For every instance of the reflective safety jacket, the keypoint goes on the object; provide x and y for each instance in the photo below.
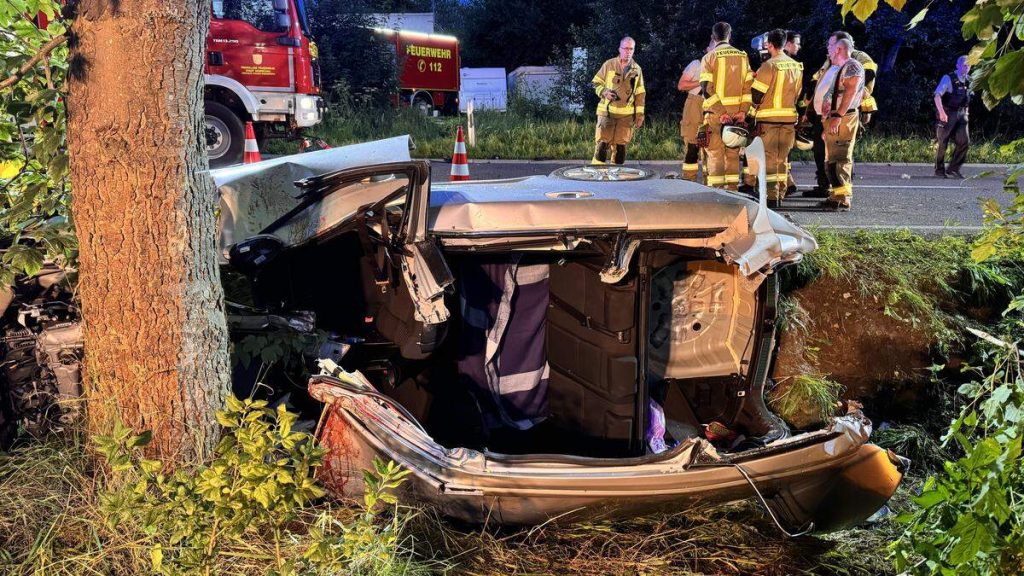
(779, 79)
(868, 104)
(727, 72)
(627, 83)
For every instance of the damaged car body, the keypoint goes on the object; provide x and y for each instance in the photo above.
(542, 348)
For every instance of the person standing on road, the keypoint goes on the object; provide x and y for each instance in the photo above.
(792, 48)
(952, 98)
(775, 90)
(693, 113)
(725, 80)
(620, 86)
(867, 111)
(837, 99)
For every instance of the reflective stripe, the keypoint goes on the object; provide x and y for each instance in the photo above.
(870, 66)
(594, 160)
(250, 146)
(625, 110)
(460, 147)
(777, 113)
(779, 81)
(720, 81)
(747, 99)
(716, 180)
(732, 178)
(844, 190)
(709, 102)
(639, 109)
(640, 90)
(775, 177)
(693, 166)
(748, 77)
(705, 77)
(759, 86)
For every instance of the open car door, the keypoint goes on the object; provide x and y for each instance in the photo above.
(386, 204)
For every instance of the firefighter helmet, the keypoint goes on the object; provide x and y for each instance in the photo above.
(735, 136)
(803, 141)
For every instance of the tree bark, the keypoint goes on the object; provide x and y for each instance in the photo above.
(152, 303)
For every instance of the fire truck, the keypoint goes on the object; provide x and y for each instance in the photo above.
(428, 70)
(261, 66)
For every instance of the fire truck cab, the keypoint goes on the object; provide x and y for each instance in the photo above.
(261, 66)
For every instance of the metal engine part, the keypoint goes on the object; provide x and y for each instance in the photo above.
(40, 361)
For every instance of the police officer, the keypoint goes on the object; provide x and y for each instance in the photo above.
(620, 86)
(725, 81)
(952, 97)
(774, 92)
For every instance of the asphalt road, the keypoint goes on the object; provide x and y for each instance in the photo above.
(885, 195)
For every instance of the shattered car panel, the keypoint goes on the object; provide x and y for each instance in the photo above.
(646, 301)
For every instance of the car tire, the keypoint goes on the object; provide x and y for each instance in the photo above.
(604, 173)
(225, 135)
(423, 105)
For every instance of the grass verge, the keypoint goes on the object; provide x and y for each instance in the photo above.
(541, 134)
(52, 524)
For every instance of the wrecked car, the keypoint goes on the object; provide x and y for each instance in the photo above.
(572, 346)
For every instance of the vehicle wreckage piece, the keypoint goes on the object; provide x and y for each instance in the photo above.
(824, 480)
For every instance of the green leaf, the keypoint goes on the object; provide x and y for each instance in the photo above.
(917, 19)
(972, 537)
(156, 557)
(1008, 76)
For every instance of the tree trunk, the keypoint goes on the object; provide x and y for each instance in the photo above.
(152, 304)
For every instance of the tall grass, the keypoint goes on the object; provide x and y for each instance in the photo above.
(530, 132)
(52, 525)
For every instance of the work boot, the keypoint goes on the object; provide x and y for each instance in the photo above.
(835, 205)
(817, 192)
(791, 190)
(954, 174)
(774, 204)
(940, 173)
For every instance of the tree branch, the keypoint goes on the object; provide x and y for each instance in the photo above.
(46, 49)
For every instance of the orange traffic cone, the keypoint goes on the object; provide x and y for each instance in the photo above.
(252, 152)
(460, 162)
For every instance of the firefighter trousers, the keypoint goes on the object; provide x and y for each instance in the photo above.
(839, 157)
(611, 137)
(778, 139)
(688, 126)
(723, 163)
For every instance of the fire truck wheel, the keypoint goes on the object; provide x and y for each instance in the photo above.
(225, 135)
(424, 105)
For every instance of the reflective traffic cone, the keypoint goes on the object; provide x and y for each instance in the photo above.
(460, 162)
(252, 152)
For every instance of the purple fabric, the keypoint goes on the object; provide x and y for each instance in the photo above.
(503, 356)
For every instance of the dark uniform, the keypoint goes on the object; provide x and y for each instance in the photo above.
(956, 96)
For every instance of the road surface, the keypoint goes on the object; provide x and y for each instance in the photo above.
(885, 195)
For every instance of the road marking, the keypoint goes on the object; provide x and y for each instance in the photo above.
(860, 186)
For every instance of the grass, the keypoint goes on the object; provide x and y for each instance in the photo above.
(532, 132)
(52, 525)
(805, 400)
(925, 282)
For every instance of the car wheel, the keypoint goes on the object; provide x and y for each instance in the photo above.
(604, 173)
(225, 135)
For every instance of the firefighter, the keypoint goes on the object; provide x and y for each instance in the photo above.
(774, 92)
(792, 48)
(868, 107)
(620, 86)
(693, 113)
(952, 98)
(725, 80)
(837, 98)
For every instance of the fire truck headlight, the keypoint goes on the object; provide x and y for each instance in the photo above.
(307, 103)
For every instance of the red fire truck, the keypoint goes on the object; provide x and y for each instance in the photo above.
(428, 70)
(260, 66)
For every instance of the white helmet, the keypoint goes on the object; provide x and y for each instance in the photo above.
(735, 137)
(804, 142)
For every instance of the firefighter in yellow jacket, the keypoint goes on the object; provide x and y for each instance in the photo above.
(774, 92)
(620, 86)
(725, 80)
